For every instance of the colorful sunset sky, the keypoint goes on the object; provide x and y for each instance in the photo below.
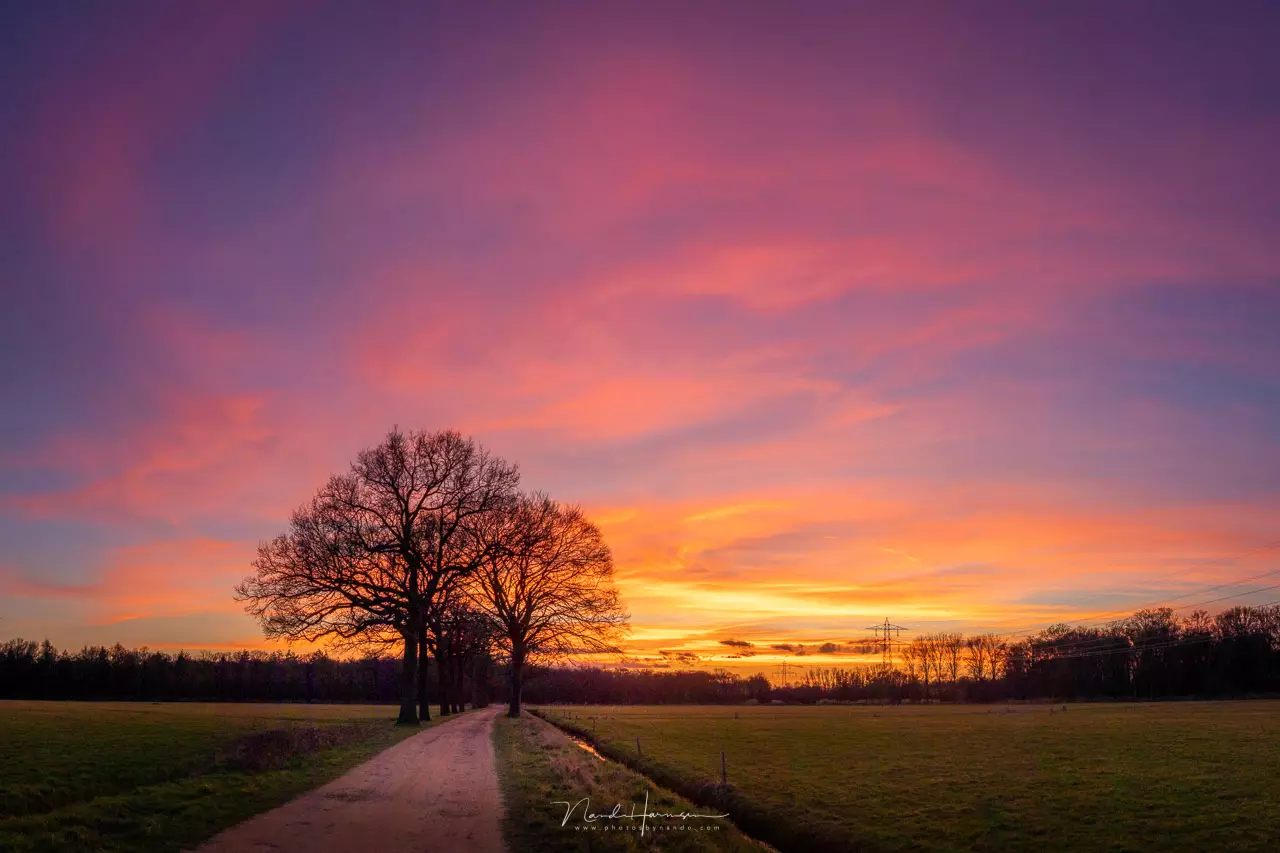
(965, 315)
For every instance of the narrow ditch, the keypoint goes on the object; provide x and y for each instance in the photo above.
(693, 792)
(582, 744)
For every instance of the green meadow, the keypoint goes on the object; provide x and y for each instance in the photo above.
(1189, 776)
(156, 777)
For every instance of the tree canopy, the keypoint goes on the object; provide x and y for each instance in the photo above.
(427, 544)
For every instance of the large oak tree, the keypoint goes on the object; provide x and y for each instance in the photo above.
(376, 546)
(547, 582)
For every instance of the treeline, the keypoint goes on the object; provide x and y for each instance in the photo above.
(1152, 654)
(31, 670)
(595, 686)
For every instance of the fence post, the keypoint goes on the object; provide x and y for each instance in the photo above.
(639, 754)
(724, 771)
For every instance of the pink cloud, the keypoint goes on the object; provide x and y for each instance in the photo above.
(95, 133)
(747, 289)
(204, 455)
(18, 584)
(160, 578)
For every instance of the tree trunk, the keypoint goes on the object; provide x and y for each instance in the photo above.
(517, 677)
(424, 697)
(408, 699)
(442, 671)
(478, 676)
(459, 698)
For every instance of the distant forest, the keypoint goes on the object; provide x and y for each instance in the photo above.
(1150, 655)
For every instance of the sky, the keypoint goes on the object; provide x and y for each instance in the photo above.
(961, 315)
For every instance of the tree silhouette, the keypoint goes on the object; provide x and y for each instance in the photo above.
(373, 549)
(548, 586)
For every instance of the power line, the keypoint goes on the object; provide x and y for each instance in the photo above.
(1199, 591)
(1086, 647)
(1185, 641)
(1138, 647)
(1098, 641)
(1153, 604)
(1220, 560)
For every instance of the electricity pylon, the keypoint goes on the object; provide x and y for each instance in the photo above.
(884, 637)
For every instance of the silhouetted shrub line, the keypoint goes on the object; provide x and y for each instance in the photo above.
(273, 748)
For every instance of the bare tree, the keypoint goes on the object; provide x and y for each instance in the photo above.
(984, 653)
(937, 655)
(367, 556)
(997, 656)
(480, 488)
(976, 658)
(911, 661)
(548, 585)
(920, 651)
(311, 584)
(950, 645)
(457, 635)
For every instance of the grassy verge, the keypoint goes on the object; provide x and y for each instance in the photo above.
(138, 777)
(1184, 777)
(538, 765)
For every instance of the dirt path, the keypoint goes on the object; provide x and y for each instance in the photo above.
(434, 792)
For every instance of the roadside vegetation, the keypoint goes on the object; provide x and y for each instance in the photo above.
(165, 777)
(538, 765)
(1189, 776)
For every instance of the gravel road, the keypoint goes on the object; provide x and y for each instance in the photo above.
(435, 792)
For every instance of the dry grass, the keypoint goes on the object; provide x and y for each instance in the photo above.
(537, 766)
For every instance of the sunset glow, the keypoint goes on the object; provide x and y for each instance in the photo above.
(912, 313)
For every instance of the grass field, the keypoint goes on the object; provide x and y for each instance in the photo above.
(144, 777)
(537, 766)
(1169, 777)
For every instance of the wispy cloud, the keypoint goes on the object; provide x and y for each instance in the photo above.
(816, 334)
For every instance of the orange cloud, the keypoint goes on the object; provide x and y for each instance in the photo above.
(175, 470)
(812, 350)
